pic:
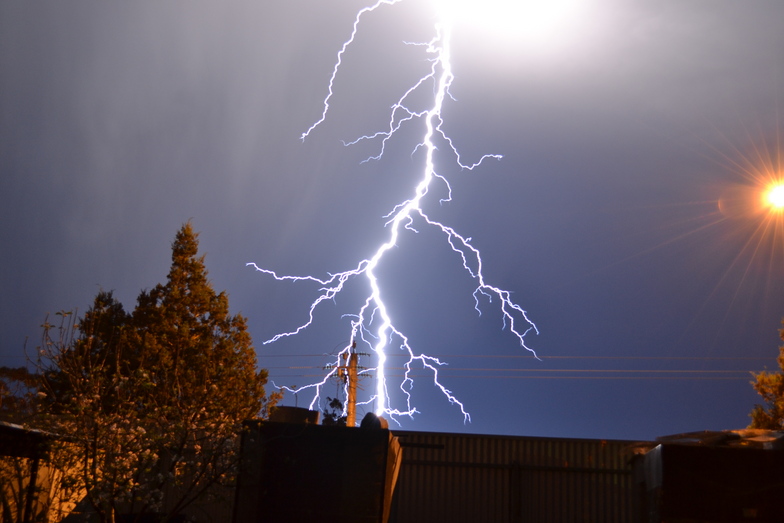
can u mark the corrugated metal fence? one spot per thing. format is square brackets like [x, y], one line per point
[473, 478]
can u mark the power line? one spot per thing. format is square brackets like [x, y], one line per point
[525, 356]
[631, 371]
[533, 377]
[560, 374]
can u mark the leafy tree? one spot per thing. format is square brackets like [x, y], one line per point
[153, 399]
[770, 385]
[17, 394]
[333, 413]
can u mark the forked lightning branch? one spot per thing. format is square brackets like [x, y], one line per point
[373, 324]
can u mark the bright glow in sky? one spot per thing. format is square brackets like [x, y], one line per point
[775, 196]
[520, 20]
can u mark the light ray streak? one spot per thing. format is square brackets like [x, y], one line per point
[372, 324]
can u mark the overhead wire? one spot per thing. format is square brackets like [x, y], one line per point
[556, 373]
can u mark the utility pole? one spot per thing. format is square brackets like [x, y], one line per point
[351, 409]
[348, 373]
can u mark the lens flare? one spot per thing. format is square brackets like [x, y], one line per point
[775, 197]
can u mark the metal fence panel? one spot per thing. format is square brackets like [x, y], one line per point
[474, 478]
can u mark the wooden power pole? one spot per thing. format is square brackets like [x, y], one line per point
[351, 410]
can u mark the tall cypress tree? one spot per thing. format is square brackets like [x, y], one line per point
[196, 352]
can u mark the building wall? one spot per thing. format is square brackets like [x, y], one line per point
[31, 485]
[48, 500]
[474, 478]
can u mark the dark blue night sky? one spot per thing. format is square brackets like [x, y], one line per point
[628, 134]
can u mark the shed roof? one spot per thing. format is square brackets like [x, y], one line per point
[23, 442]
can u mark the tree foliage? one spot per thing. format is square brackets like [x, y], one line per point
[332, 414]
[17, 394]
[770, 385]
[153, 398]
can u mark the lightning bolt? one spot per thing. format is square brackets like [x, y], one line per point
[372, 324]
